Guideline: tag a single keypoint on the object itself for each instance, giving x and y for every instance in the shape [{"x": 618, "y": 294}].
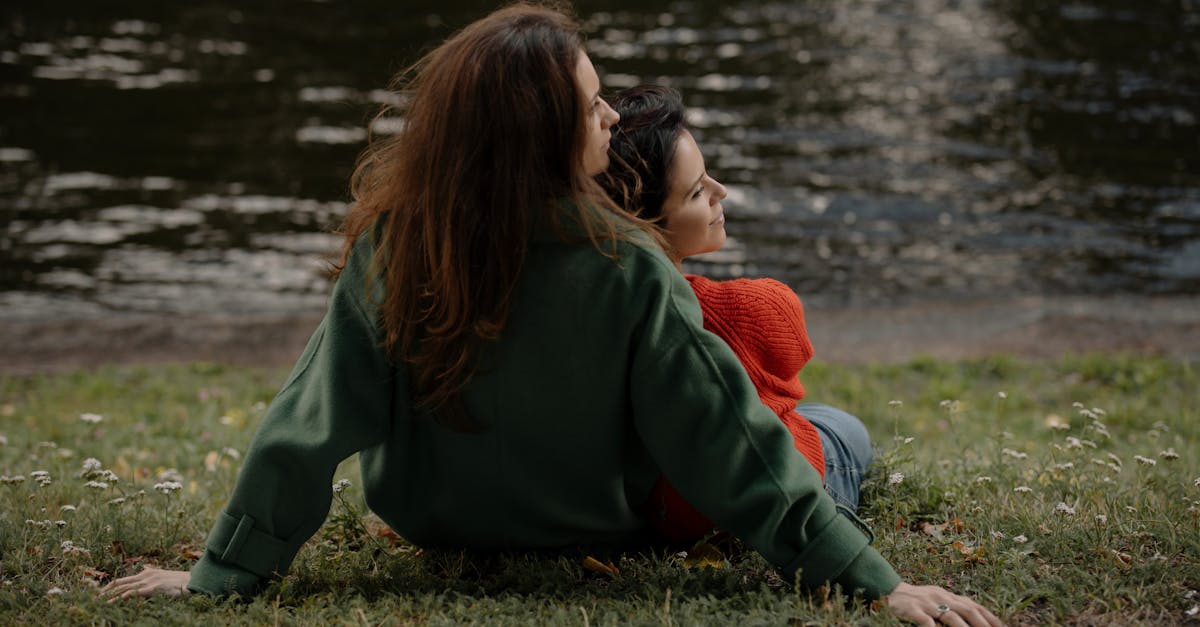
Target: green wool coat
[{"x": 603, "y": 378}]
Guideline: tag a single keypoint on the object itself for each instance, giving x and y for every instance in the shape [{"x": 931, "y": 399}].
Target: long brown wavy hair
[{"x": 491, "y": 145}]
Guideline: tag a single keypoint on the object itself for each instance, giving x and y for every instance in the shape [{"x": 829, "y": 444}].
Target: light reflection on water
[{"x": 194, "y": 160}]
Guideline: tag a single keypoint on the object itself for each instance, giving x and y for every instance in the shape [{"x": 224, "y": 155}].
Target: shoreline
[{"x": 1033, "y": 328}]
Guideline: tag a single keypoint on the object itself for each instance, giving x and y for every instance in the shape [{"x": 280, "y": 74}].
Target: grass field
[{"x": 1065, "y": 492}]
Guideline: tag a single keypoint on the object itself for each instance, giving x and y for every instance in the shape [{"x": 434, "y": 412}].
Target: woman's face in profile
[
  {"x": 598, "y": 117},
  {"x": 692, "y": 211}
]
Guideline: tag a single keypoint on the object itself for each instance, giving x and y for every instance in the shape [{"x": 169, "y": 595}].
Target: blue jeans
[{"x": 847, "y": 448}]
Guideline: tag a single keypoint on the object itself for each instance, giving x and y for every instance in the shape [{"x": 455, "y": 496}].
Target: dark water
[{"x": 190, "y": 157}]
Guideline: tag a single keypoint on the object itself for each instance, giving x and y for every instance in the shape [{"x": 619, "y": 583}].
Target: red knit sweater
[{"x": 762, "y": 320}]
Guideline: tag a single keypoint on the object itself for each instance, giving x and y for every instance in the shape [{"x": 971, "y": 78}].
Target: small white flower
[
  {"x": 117, "y": 501},
  {"x": 895, "y": 403},
  {"x": 1088, "y": 443},
  {"x": 67, "y": 508},
  {"x": 1002, "y": 394},
  {"x": 92, "y": 418},
  {"x": 1074, "y": 442},
  {"x": 1024, "y": 489},
  {"x": 13, "y": 480},
  {"x": 90, "y": 465},
  {"x": 999, "y": 535},
  {"x": 170, "y": 475},
  {"x": 38, "y": 474},
  {"x": 1116, "y": 460},
  {"x": 1131, "y": 509},
  {"x": 60, "y": 523},
  {"x": 1065, "y": 466},
  {"x": 1168, "y": 454},
  {"x": 1021, "y": 539},
  {"x": 983, "y": 479},
  {"x": 3, "y": 440},
  {"x": 1064, "y": 509},
  {"x": 1014, "y": 454},
  {"x": 1077, "y": 405},
  {"x": 1087, "y": 413},
  {"x": 1145, "y": 461},
  {"x": 231, "y": 452},
  {"x": 167, "y": 487},
  {"x": 341, "y": 485},
  {"x": 1102, "y": 519},
  {"x": 55, "y": 591},
  {"x": 99, "y": 485},
  {"x": 1099, "y": 411},
  {"x": 1196, "y": 482},
  {"x": 1195, "y": 610},
  {"x": 945, "y": 403}
]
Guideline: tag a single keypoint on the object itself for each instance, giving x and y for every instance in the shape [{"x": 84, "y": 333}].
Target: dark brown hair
[
  {"x": 491, "y": 145},
  {"x": 642, "y": 149}
]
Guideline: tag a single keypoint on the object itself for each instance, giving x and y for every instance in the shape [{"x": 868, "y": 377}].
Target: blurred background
[{"x": 167, "y": 161}]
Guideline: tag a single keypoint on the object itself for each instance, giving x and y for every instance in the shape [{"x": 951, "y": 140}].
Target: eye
[{"x": 696, "y": 194}]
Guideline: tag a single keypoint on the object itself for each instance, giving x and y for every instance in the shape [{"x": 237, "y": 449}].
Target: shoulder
[{"x": 760, "y": 295}]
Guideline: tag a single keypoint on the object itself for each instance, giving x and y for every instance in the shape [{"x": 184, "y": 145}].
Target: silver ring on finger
[{"x": 942, "y": 609}]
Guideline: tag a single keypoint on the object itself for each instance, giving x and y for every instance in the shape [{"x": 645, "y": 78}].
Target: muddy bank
[{"x": 1028, "y": 328}]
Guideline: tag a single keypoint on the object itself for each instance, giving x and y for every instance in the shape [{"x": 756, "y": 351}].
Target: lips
[{"x": 719, "y": 221}]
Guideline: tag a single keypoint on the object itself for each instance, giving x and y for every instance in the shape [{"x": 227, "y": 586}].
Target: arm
[
  {"x": 337, "y": 401},
  {"x": 730, "y": 456}
]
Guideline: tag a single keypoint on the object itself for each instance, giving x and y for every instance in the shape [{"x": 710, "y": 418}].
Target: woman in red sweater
[{"x": 657, "y": 170}]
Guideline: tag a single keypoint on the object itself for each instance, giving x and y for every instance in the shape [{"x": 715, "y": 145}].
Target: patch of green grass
[{"x": 1033, "y": 500}]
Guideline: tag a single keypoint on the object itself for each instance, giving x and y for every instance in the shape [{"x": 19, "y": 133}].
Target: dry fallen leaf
[
  {"x": 704, "y": 555},
  {"x": 596, "y": 566},
  {"x": 971, "y": 554},
  {"x": 933, "y": 531}
]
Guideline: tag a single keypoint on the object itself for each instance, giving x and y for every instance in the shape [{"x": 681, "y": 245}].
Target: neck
[{"x": 678, "y": 261}]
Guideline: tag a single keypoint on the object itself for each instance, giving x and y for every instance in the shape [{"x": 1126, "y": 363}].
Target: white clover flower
[
  {"x": 92, "y": 418},
  {"x": 1145, "y": 461},
  {"x": 1064, "y": 509},
  {"x": 999, "y": 535},
  {"x": 99, "y": 485},
  {"x": 1024, "y": 489},
  {"x": 341, "y": 485},
  {"x": 1014, "y": 454},
  {"x": 1168, "y": 454},
  {"x": 67, "y": 508},
  {"x": 896, "y": 478},
  {"x": 13, "y": 480},
  {"x": 167, "y": 487},
  {"x": 1102, "y": 519},
  {"x": 983, "y": 479},
  {"x": 1021, "y": 539}
]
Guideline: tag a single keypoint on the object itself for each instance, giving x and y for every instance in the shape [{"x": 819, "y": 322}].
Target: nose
[
  {"x": 610, "y": 115},
  {"x": 719, "y": 191}
]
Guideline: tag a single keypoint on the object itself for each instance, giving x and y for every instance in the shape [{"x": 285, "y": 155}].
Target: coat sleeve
[
  {"x": 699, "y": 416},
  {"x": 336, "y": 402}
]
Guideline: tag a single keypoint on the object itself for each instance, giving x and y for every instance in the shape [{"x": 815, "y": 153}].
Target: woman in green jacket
[{"x": 493, "y": 313}]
